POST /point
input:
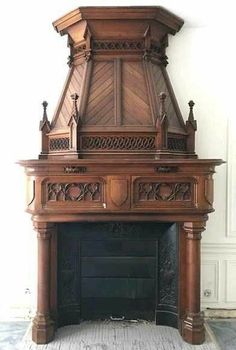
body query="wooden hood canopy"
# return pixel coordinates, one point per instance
(118, 98)
(118, 150)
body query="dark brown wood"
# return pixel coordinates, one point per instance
(53, 277)
(193, 326)
(43, 326)
(191, 125)
(119, 152)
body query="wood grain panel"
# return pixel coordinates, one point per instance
(161, 85)
(73, 85)
(100, 106)
(135, 101)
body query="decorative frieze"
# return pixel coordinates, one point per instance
(176, 144)
(131, 143)
(80, 191)
(75, 169)
(160, 191)
(59, 144)
(118, 45)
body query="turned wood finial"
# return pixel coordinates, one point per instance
(75, 112)
(44, 127)
(45, 105)
(162, 124)
(44, 123)
(162, 104)
(191, 125)
(190, 116)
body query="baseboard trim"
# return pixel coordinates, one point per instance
(219, 313)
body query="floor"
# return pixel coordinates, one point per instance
(224, 332)
(11, 334)
(111, 335)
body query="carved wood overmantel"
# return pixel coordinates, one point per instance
(118, 150)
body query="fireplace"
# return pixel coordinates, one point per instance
(118, 196)
(118, 270)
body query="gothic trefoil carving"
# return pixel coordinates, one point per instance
(74, 191)
(155, 191)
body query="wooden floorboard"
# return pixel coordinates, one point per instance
(120, 335)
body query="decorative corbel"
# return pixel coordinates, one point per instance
(164, 45)
(45, 128)
(74, 124)
(191, 125)
(162, 125)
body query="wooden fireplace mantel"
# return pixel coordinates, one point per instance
(179, 191)
(118, 150)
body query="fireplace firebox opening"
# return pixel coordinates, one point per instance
(118, 270)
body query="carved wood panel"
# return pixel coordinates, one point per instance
(135, 99)
(73, 84)
(162, 192)
(118, 143)
(100, 106)
(119, 192)
(76, 191)
(59, 144)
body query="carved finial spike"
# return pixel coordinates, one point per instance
(45, 104)
(75, 96)
(162, 103)
(75, 112)
(190, 116)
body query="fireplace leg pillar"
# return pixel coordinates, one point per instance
(193, 330)
(43, 326)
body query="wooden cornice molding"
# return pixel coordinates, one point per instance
(156, 13)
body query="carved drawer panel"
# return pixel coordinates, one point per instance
(163, 192)
(79, 192)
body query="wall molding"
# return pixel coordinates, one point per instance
(230, 283)
(219, 248)
(231, 186)
(212, 268)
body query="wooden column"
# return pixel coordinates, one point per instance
(43, 326)
(193, 325)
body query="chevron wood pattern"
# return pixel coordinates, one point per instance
(100, 105)
(160, 85)
(135, 100)
(73, 85)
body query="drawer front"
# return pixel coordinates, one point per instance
(156, 192)
(74, 192)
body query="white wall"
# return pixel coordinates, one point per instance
(33, 68)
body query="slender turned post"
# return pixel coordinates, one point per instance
(162, 125)
(191, 125)
(193, 326)
(43, 326)
(44, 127)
